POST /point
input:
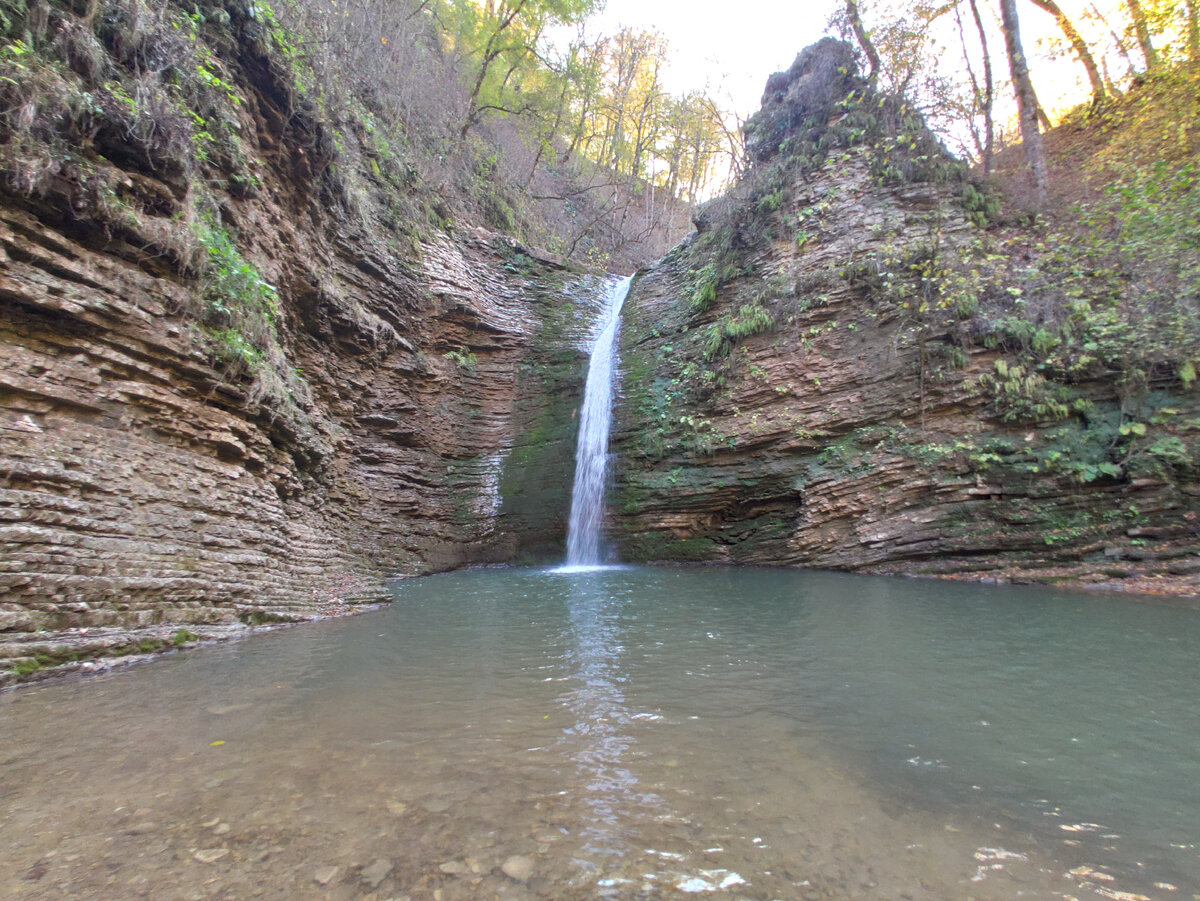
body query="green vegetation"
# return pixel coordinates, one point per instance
(26, 667)
(704, 291)
(463, 358)
(240, 308)
(719, 338)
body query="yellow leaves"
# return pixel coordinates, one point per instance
(1187, 374)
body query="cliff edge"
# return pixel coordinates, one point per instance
(859, 363)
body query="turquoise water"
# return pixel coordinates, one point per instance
(631, 733)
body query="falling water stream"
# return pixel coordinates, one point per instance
(591, 453)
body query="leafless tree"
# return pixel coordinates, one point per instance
(1078, 44)
(1027, 104)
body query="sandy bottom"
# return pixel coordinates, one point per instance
(136, 787)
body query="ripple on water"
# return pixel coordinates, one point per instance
(627, 733)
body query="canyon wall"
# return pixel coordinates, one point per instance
(140, 485)
(249, 369)
(812, 379)
(160, 465)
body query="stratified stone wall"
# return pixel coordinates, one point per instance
(849, 434)
(139, 486)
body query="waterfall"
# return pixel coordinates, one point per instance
(591, 451)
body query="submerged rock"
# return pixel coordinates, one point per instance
(518, 867)
(376, 872)
(325, 875)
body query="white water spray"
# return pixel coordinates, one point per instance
(591, 451)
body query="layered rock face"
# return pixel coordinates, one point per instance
(141, 486)
(799, 391)
(156, 469)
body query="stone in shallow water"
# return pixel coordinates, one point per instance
(376, 872)
(453, 868)
(210, 855)
(518, 867)
(325, 875)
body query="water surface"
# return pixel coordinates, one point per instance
(630, 733)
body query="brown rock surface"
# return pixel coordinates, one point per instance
(847, 430)
(146, 483)
(140, 487)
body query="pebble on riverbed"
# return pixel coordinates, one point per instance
(377, 872)
(518, 867)
(325, 875)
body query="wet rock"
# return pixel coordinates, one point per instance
(376, 872)
(210, 855)
(454, 868)
(325, 875)
(518, 867)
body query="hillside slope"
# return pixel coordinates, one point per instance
(853, 366)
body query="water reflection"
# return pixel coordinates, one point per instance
(631, 734)
(601, 736)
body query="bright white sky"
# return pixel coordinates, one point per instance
(732, 46)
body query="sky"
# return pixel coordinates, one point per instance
(731, 45)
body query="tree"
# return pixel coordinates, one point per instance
(1027, 104)
(1192, 11)
(983, 100)
(498, 38)
(863, 37)
(1141, 27)
(1079, 45)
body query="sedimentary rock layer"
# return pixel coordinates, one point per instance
(162, 462)
(794, 394)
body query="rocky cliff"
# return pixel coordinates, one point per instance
(236, 386)
(250, 367)
(851, 366)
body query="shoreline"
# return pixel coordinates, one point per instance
(35, 657)
(32, 658)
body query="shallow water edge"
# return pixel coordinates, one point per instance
(70, 653)
(629, 733)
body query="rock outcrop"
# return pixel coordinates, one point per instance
(141, 486)
(809, 381)
(158, 467)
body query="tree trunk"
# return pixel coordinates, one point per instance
(1118, 43)
(1142, 29)
(1027, 104)
(864, 39)
(989, 92)
(1082, 53)
(1193, 30)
